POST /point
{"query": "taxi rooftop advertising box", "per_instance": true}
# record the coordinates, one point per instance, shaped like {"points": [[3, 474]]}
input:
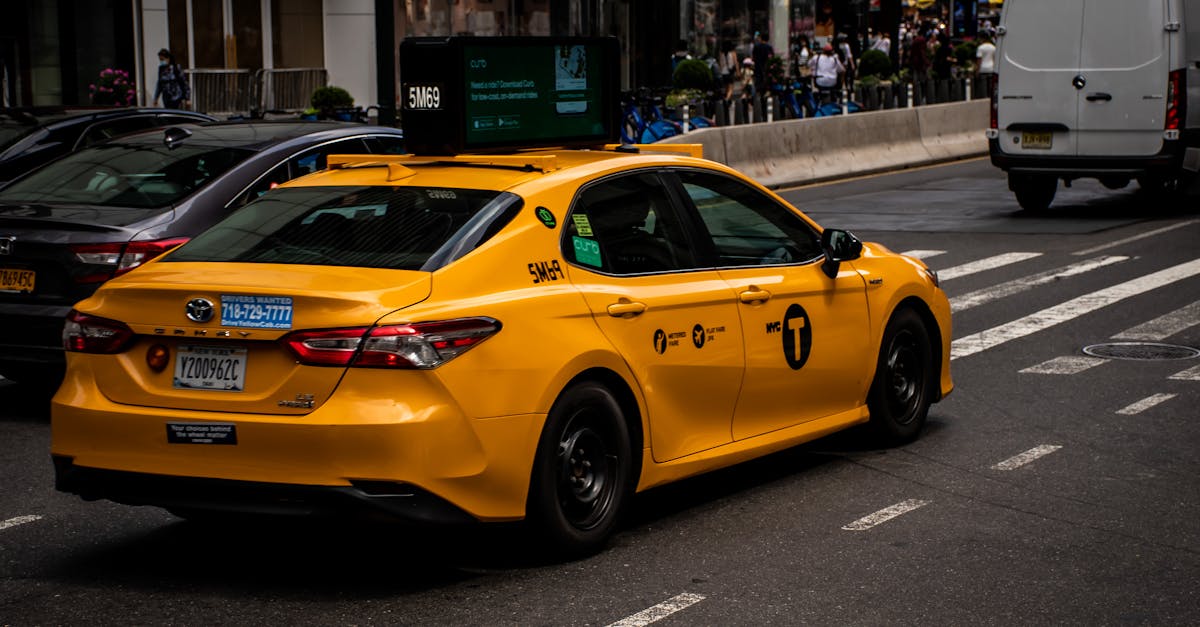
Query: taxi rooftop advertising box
{"points": [[485, 94]]}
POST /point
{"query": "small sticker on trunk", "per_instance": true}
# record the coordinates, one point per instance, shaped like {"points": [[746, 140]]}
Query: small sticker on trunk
{"points": [[201, 433]]}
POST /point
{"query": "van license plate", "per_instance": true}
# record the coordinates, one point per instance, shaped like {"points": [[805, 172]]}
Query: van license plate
{"points": [[14, 280], [210, 368], [1036, 141]]}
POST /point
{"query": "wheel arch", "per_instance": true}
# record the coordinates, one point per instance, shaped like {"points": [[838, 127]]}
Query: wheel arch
{"points": [[923, 311]]}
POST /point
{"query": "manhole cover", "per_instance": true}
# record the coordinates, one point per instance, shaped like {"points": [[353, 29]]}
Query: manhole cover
{"points": [[1145, 351]]}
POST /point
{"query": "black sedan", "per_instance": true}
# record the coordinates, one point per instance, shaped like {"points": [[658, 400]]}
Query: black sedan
{"points": [[33, 136], [104, 210]]}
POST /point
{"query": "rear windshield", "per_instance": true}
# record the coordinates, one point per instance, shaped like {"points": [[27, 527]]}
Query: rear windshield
{"points": [[142, 176], [402, 228]]}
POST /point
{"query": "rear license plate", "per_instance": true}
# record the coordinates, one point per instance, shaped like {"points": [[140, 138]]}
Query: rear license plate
{"points": [[256, 312], [201, 433], [1041, 140], [210, 368], [14, 280]]}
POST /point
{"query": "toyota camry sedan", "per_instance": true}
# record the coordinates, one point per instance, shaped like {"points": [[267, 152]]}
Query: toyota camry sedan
{"points": [[527, 336]]}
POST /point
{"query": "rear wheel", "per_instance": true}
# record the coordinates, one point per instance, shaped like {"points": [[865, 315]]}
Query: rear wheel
{"points": [[1034, 192], [582, 475], [1114, 182], [904, 382]]}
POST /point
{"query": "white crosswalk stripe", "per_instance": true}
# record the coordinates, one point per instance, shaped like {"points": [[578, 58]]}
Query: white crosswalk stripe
{"points": [[923, 254], [1146, 403], [1069, 310], [1065, 365], [981, 265], [1016, 286], [1164, 326], [1191, 374]]}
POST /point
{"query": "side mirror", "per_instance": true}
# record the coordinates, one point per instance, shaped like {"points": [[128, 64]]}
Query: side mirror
{"points": [[838, 246]]}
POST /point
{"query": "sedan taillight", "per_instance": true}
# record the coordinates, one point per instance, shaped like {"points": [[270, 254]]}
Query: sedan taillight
{"points": [[92, 334], [120, 257], [420, 345]]}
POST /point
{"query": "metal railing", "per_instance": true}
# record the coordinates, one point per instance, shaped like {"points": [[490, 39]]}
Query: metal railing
{"points": [[250, 92]]}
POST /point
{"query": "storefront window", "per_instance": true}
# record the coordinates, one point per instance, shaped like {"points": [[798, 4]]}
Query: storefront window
{"points": [[298, 36]]}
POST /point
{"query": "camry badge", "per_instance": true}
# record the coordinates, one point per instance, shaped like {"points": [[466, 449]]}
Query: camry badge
{"points": [[6, 244], [199, 310]]}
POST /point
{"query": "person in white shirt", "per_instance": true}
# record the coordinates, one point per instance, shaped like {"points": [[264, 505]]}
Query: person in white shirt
{"points": [[986, 54], [827, 71], [883, 44]]}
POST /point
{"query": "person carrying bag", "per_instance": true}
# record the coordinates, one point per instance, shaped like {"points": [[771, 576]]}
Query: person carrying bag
{"points": [[172, 85]]}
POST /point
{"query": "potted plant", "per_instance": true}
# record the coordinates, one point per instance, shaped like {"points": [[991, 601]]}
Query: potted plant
{"points": [[331, 103]]}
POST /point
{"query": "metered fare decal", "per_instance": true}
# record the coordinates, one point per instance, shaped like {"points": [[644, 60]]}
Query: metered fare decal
{"points": [[699, 334]]}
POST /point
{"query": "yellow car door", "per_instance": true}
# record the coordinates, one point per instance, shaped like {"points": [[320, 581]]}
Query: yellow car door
{"points": [[806, 335], [676, 327]]}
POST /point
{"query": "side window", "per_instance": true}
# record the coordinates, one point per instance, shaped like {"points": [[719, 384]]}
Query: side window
{"points": [[103, 131], [747, 227], [386, 145], [314, 160], [263, 185], [626, 225]]}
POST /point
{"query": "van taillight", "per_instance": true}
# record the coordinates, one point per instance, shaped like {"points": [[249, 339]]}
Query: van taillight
{"points": [[91, 334], [1176, 101]]}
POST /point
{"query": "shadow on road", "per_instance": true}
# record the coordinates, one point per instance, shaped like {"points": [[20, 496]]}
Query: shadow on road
{"points": [[22, 403]]}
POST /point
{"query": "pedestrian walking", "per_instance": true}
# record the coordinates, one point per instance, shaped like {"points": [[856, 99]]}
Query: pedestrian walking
{"points": [[985, 53], [172, 86], [827, 71], [883, 44], [727, 67]]}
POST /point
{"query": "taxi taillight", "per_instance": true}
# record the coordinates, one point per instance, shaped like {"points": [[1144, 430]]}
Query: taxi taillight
{"points": [[421, 345], [92, 334]]}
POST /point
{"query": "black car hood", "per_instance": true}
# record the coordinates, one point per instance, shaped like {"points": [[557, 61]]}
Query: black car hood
{"points": [[76, 217]]}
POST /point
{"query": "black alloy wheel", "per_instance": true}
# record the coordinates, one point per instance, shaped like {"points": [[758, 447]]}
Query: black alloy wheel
{"points": [[582, 473], [903, 388]]}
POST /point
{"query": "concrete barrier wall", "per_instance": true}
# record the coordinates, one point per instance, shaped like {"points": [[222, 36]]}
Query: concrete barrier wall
{"points": [[794, 152]]}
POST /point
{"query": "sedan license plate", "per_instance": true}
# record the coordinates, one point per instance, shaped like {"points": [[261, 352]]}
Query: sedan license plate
{"points": [[16, 280], [210, 368], [1037, 140]]}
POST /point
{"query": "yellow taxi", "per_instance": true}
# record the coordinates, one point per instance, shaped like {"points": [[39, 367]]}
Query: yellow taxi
{"points": [[534, 335]]}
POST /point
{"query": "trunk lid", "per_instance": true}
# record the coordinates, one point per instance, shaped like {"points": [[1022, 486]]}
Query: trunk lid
{"points": [[234, 362]]}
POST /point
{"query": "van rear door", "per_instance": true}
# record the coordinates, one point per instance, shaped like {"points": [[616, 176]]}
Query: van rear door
{"points": [[1039, 55], [1124, 63]]}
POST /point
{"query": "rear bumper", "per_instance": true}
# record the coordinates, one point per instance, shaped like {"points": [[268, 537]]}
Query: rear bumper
{"points": [[406, 452], [1173, 157], [31, 335]]}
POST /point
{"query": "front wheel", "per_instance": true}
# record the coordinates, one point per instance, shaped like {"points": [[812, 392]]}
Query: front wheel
{"points": [[902, 391], [582, 475]]}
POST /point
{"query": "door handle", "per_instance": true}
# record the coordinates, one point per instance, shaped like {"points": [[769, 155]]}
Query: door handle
{"points": [[626, 308], [754, 295], [1093, 97]]}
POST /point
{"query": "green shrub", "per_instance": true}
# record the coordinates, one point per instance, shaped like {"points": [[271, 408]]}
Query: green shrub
{"points": [[692, 74], [329, 98], [874, 63], [964, 53]]}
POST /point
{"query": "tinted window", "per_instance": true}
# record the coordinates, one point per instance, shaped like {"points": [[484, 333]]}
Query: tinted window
{"points": [[626, 225], [369, 227], [386, 145], [314, 160], [104, 131], [747, 227], [268, 182], [126, 175]]}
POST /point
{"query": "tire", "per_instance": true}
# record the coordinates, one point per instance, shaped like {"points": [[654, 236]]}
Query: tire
{"points": [[1114, 182], [903, 388], [1034, 192], [582, 475]]}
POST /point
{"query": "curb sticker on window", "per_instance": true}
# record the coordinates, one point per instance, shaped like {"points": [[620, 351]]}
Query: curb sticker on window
{"points": [[582, 225], [587, 251]]}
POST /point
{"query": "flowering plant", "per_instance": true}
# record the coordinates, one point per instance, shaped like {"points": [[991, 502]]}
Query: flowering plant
{"points": [[113, 88]]}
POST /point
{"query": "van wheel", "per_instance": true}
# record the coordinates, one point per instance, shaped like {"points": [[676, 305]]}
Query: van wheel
{"points": [[582, 472], [1159, 184], [902, 391], [1114, 182], [1034, 192]]}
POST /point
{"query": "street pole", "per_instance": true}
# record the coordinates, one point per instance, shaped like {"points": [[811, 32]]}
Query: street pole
{"points": [[385, 61]]}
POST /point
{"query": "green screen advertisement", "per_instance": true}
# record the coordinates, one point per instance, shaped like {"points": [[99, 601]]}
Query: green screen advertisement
{"points": [[515, 93]]}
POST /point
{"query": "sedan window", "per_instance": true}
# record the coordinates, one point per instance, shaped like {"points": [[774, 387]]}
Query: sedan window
{"points": [[626, 225], [125, 175], [747, 227]]}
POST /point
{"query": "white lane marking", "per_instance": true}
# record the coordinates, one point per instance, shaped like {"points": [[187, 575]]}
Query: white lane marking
{"points": [[1065, 365], [1016, 461], [885, 514], [660, 611], [19, 520], [989, 263], [1113, 244], [1058, 314], [1191, 374], [1164, 326], [1144, 404], [923, 254], [1016, 286]]}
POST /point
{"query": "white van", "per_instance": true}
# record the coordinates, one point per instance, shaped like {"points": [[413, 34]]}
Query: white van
{"points": [[1105, 89]]}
